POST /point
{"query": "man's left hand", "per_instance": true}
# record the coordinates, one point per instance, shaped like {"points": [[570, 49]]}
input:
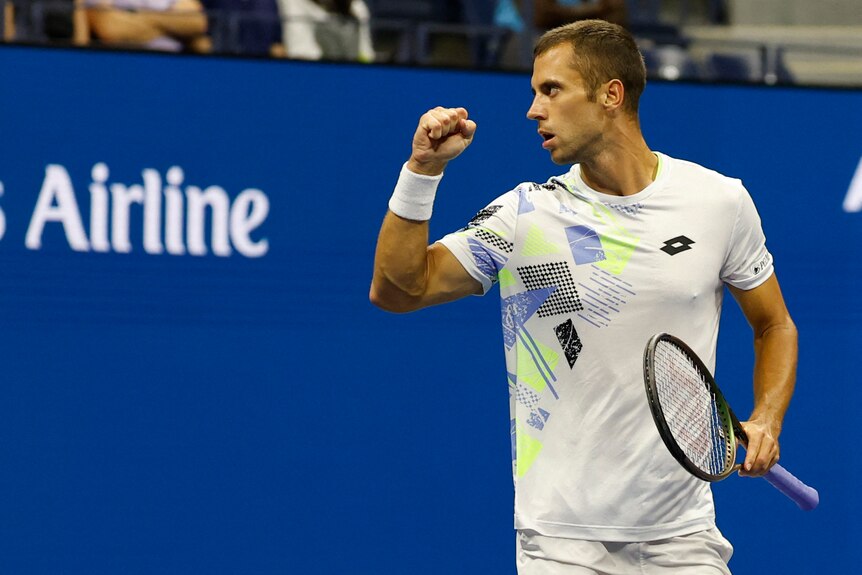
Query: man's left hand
{"points": [[762, 450]]}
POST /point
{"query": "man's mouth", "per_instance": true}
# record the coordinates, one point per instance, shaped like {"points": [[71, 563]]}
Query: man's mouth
{"points": [[548, 138]]}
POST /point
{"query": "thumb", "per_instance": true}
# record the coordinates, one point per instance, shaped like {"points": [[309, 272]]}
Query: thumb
{"points": [[468, 128]]}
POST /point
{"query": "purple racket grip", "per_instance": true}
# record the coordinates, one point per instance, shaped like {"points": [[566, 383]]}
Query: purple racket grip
{"points": [[804, 496]]}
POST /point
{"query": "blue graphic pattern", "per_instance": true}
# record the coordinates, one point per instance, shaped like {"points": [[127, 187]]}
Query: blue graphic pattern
{"points": [[585, 245], [518, 308], [525, 206], [564, 209], [487, 260]]}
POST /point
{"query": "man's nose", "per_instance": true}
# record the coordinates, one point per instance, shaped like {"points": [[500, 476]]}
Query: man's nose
{"points": [[536, 111]]}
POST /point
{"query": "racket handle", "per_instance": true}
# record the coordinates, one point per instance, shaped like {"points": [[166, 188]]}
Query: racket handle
{"points": [[804, 496]]}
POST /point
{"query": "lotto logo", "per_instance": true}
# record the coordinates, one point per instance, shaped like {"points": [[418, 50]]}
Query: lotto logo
{"points": [[676, 245]]}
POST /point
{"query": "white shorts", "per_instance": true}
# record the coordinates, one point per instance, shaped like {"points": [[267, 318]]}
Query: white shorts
{"points": [[701, 553]]}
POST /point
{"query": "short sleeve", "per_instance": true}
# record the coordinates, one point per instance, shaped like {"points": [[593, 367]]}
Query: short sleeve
{"points": [[485, 244], [748, 263]]}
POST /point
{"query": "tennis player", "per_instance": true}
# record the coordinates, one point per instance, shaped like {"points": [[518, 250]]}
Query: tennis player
{"points": [[591, 263]]}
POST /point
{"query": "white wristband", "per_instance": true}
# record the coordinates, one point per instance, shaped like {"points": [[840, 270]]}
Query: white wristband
{"points": [[413, 198]]}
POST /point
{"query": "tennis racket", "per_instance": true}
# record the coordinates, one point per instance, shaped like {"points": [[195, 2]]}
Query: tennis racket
{"points": [[696, 423]]}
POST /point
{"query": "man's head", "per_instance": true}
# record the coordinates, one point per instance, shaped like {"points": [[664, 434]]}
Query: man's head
{"points": [[587, 79], [601, 52]]}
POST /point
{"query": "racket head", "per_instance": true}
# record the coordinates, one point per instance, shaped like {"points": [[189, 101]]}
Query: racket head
{"points": [[692, 417]]}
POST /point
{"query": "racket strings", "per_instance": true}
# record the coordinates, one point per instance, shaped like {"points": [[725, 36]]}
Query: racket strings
{"points": [[691, 410]]}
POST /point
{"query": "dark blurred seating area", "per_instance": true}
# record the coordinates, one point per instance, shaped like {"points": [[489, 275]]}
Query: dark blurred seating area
{"points": [[779, 42]]}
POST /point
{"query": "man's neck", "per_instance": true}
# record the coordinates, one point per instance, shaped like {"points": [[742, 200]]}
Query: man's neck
{"points": [[621, 170]]}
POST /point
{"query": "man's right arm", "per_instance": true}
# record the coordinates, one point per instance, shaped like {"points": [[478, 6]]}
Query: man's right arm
{"points": [[409, 274]]}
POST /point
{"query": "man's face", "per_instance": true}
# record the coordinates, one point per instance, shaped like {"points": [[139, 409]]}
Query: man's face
{"points": [[570, 124]]}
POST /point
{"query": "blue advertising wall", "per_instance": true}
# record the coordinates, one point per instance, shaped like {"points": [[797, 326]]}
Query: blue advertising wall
{"points": [[193, 380]]}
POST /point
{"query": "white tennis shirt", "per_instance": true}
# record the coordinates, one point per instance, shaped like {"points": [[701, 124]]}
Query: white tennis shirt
{"points": [[585, 279]]}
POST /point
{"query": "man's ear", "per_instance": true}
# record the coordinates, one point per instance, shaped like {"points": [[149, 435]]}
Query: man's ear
{"points": [[613, 95]]}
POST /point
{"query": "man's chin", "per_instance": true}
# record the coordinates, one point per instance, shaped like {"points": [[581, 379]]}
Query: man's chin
{"points": [[560, 159]]}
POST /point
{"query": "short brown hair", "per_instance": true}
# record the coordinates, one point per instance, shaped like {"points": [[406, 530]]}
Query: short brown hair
{"points": [[601, 52]]}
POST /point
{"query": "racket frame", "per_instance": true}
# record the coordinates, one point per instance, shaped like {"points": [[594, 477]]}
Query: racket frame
{"points": [[732, 428], [805, 496]]}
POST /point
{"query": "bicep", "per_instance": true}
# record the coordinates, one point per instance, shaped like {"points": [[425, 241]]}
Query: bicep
{"points": [[482, 246], [445, 280], [448, 280]]}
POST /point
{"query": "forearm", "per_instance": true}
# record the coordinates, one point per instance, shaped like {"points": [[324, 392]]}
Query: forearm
{"points": [[409, 275], [402, 260], [775, 358], [775, 352]]}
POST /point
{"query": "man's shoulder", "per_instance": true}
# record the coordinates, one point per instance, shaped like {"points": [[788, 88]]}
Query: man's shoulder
{"points": [[687, 170], [528, 190]]}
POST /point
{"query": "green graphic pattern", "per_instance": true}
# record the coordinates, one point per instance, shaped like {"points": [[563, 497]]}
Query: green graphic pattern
{"points": [[618, 243], [528, 449], [536, 245], [536, 364]]}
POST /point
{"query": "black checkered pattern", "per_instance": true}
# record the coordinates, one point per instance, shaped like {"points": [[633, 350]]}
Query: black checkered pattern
{"points": [[565, 298], [494, 240], [570, 341]]}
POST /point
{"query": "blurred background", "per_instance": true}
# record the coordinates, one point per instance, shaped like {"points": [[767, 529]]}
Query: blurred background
{"points": [[758, 41], [193, 380]]}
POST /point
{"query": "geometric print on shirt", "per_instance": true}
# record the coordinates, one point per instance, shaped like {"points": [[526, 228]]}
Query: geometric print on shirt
{"points": [[565, 298], [493, 239], [535, 364], [535, 243], [569, 340], [618, 244], [630, 209], [604, 295], [530, 399], [526, 396], [516, 309], [482, 215], [586, 245], [487, 260]]}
